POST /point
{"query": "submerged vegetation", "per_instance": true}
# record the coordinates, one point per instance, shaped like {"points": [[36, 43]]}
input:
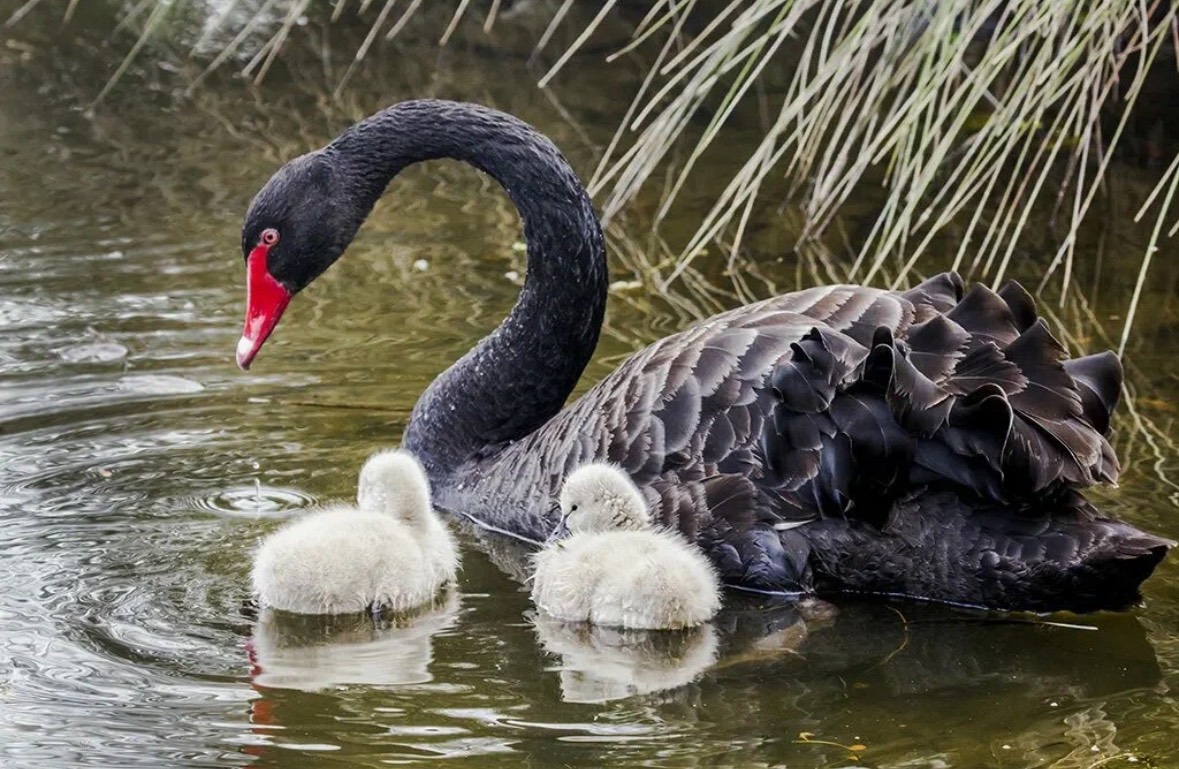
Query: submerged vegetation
{"points": [[962, 118]]}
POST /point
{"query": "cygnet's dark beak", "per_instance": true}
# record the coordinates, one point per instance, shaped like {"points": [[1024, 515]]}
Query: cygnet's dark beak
{"points": [[561, 530]]}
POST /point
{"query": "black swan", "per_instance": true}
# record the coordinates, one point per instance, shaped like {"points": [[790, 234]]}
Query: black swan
{"points": [[927, 443]]}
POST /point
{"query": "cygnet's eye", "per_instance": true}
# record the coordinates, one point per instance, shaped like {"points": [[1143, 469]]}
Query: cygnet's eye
{"points": [[573, 508]]}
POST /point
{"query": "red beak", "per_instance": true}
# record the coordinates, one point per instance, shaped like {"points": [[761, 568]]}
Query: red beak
{"points": [[266, 299]]}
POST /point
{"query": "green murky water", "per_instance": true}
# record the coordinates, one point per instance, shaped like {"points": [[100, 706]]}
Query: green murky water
{"points": [[138, 468]]}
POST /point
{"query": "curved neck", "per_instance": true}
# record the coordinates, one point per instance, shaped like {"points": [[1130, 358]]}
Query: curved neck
{"points": [[519, 376]]}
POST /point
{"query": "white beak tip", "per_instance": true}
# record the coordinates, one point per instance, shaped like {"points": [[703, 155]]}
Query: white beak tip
{"points": [[245, 352]]}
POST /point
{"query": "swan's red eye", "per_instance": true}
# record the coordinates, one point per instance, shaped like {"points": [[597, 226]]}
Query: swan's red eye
{"points": [[268, 237]]}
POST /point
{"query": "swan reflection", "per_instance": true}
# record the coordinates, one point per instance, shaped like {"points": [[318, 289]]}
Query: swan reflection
{"points": [[313, 653], [599, 664]]}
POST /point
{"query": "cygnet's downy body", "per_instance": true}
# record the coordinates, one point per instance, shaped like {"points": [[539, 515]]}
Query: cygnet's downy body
{"points": [[390, 552], [615, 568]]}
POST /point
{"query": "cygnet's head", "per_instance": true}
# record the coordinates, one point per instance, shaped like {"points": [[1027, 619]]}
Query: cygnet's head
{"points": [[599, 497], [394, 482]]}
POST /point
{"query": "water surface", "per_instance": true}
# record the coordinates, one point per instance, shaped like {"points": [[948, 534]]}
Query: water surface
{"points": [[139, 467]]}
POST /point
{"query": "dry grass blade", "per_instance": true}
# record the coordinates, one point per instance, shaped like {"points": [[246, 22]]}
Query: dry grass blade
{"points": [[21, 12], [213, 26], [1171, 180], [274, 45], [158, 14], [597, 180], [491, 14], [454, 21], [405, 17], [555, 22], [232, 47], [362, 51]]}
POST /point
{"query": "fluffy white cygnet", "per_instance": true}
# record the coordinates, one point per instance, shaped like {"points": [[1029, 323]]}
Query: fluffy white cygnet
{"points": [[615, 568], [390, 552]]}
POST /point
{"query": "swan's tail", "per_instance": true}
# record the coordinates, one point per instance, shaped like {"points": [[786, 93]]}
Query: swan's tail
{"points": [[976, 398], [947, 547]]}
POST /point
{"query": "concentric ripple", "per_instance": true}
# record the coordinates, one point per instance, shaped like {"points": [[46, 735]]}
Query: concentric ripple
{"points": [[255, 501]]}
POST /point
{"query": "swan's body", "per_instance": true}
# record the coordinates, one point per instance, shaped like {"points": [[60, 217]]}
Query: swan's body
{"points": [[930, 442], [390, 552], [615, 569]]}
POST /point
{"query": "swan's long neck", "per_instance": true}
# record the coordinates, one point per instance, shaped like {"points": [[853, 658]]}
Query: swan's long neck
{"points": [[519, 376]]}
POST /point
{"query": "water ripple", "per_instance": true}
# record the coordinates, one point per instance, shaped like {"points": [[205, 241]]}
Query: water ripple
{"points": [[256, 501]]}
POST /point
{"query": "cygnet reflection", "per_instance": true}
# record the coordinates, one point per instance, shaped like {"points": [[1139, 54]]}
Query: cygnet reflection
{"points": [[314, 652], [599, 664]]}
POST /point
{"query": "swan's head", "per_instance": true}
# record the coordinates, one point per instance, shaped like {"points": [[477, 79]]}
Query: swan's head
{"points": [[600, 497], [296, 227], [394, 482]]}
